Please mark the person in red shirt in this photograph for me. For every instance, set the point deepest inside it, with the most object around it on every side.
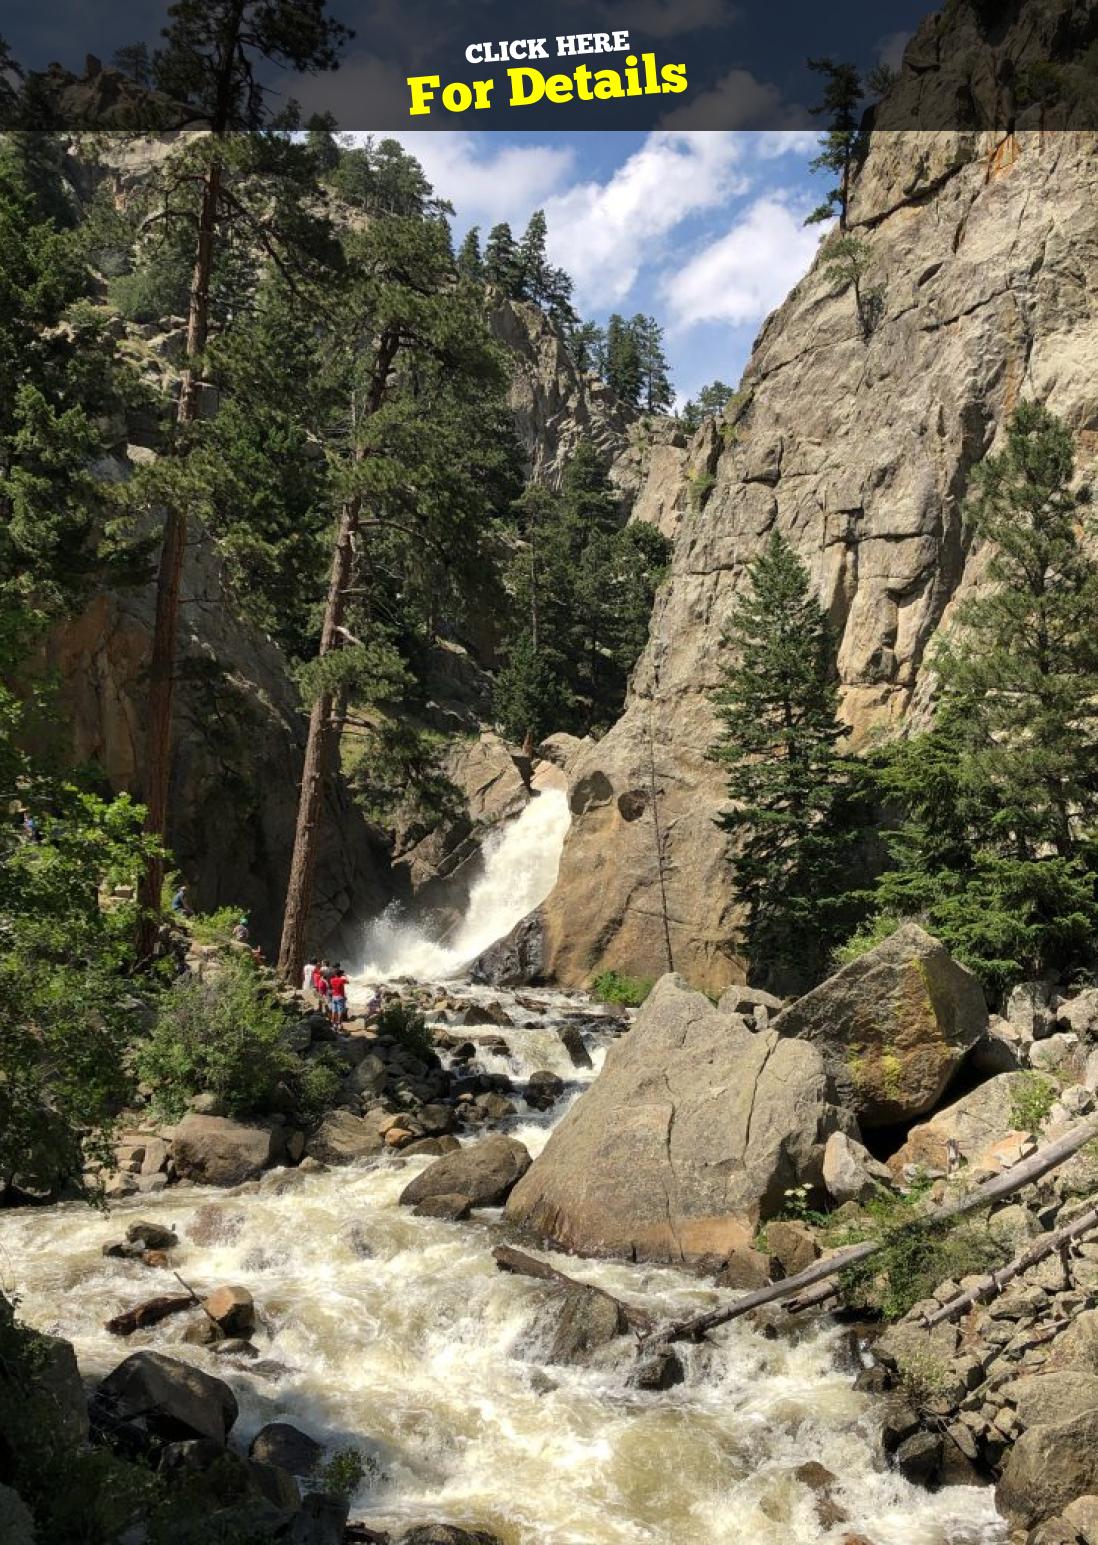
(337, 982)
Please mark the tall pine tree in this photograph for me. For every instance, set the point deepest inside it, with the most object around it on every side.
(790, 787)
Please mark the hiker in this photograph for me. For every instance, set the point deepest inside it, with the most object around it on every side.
(307, 988)
(240, 932)
(373, 1007)
(318, 983)
(180, 905)
(31, 829)
(338, 984)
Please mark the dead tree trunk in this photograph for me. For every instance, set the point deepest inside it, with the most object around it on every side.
(1046, 1159)
(162, 662)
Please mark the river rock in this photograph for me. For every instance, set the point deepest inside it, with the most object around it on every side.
(321, 1520)
(791, 1247)
(573, 1044)
(447, 1534)
(516, 960)
(585, 1321)
(232, 1310)
(282, 1444)
(1048, 1466)
(342, 1137)
(151, 1236)
(169, 1399)
(216, 1151)
(543, 1089)
(58, 1376)
(850, 1172)
(449, 1206)
(893, 1026)
(693, 1130)
(1079, 1015)
(485, 1172)
(1029, 1008)
(975, 1122)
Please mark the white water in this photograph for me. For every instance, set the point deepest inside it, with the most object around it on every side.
(520, 868)
(433, 1364)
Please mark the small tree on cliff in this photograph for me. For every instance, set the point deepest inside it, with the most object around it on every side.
(845, 140)
(790, 822)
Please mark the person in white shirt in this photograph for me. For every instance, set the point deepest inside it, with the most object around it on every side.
(307, 980)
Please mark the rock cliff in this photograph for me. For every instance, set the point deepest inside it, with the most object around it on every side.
(858, 447)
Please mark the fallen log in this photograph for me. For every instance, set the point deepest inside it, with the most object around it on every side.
(1023, 1174)
(993, 1284)
(151, 1312)
(522, 1265)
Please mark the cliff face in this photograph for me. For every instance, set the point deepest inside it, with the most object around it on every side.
(858, 449)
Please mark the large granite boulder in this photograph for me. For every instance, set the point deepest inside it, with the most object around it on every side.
(694, 1129)
(216, 1151)
(893, 1026)
(342, 1137)
(1051, 1464)
(485, 1172)
(976, 1122)
(170, 1400)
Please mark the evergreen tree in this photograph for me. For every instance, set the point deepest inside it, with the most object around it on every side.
(208, 60)
(587, 344)
(502, 264)
(624, 373)
(710, 403)
(789, 823)
(470, 264)
(844, 143)
(656, 393)
(998, 845)
(381, 178)
(533, 265)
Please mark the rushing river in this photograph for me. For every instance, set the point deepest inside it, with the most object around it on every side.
(396, 1335)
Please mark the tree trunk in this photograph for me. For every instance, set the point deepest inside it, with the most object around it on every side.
(507, 1258)
(318, 750)
(162, 663)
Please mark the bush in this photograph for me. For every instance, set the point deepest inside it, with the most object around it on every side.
(1033, 1098)
(407, 1026)
(215, 927)
(611, 987)
(224, 1034)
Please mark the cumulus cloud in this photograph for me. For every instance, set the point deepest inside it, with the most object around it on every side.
(744, 274)
(604, 232)
(485, 181)
(738, 101)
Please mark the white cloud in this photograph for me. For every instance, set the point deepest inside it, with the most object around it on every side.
(772, 143)
(487, 182)
(744, 274)
(603, 233)
(663, 18)
(738, 101)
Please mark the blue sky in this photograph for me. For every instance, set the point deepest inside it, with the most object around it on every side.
(702, 229)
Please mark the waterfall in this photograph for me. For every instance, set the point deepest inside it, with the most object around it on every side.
(521, 860)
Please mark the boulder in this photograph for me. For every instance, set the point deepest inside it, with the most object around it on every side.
(151, 1236)
(585, 1321)
(485, 1172)
(280, 1443)
(232, 1310)
(516, 960)
(342, 1137)
(170, 1400)
(791, 1247)
(745, 1269)
(893, 1026)
(449, 1206)
(1030, 1009)
(692, 1131)
(573, 1043)
(321, 1520)
(446, 1534)
(1049, 1466)
(1082, 1516)
(57, 1375)
(543, 1089)
(660, 1369)
(975, 1122)
(216, 1151)
(850, 1172)
(1079, 1015)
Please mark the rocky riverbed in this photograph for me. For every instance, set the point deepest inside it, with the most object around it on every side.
(467, 1392)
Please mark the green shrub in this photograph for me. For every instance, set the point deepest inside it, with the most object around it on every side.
(215, 927)
(406, 1025)
(1033, 1097)
(611, 987)
(224, 1034)
(872, 932)
(343, 1474)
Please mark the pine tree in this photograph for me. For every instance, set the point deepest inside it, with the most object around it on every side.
(208, 60)
(656, 393)
(709, 403)
(533, 265)
(998, 845)
(623, 360)
(502, 265)
(791, 788)
(470, 264)
(844, 143)
(587, 345)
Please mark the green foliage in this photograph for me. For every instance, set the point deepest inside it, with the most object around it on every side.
(405, 1024)
(845, 141)
(702, 485)
(875, 930)
(848, 261)
(635, 365)
(343, 1474)
(997, 802)
(214, 927)
(379, 177)
(792, 822)
(612, 987)
(582, 589)
(709, 403)
(396, 774)
(224, 1034)
(1032, 1097)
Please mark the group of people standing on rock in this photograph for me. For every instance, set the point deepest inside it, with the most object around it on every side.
(327, 985)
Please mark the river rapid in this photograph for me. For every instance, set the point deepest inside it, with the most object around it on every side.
(397, 1336)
